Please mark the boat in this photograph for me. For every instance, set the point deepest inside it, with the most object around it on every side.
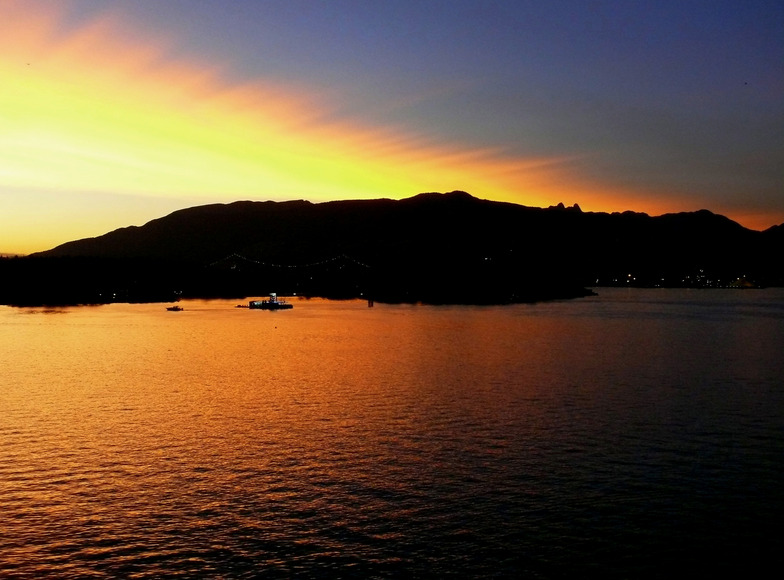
(271, 304)
(174, 308)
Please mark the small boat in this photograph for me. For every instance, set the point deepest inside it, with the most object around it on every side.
(174, 308)
(272, 304)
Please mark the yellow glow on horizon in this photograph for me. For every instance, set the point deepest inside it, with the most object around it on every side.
(100, 109)
(95, 111)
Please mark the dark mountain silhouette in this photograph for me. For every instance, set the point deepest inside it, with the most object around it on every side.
(432, 247)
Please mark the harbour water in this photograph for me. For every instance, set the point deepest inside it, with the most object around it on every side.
(635, 434)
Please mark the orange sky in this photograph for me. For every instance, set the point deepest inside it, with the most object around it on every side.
(102, 127)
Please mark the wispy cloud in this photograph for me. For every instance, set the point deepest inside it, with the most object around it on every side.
(102, 108)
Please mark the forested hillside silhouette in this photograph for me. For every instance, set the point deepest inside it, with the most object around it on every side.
(433, 247)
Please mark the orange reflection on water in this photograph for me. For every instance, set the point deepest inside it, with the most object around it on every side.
(140, 439)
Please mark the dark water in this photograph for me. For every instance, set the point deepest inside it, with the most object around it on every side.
(636, 434)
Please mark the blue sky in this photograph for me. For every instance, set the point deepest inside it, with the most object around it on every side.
(650, 106)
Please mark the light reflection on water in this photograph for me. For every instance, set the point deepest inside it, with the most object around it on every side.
(631, 434)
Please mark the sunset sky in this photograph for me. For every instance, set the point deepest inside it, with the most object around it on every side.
(115, 112)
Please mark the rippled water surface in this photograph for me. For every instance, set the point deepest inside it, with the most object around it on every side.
(639, 433)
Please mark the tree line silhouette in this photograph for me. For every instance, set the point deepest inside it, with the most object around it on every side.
(434, 248)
